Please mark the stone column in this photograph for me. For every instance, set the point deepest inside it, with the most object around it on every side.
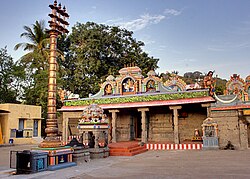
(66, 130)
(143, 124)
(63, 129)
(96, 134)
(114, 118)
(39, 132)
(208, 106)
(109, 130)
(176, 123)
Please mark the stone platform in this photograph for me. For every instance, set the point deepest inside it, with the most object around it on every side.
(96, 153)
(58, 158)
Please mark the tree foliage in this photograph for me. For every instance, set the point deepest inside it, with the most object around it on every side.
(35, 62)
(97, 51)
(11, 76)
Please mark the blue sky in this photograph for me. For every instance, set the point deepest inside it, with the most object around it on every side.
(186, 35)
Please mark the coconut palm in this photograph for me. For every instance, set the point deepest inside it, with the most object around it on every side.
(37, 47)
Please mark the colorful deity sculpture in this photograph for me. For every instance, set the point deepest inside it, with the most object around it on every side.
(237, 86)
(209, 82)
(174, 83)
(93, 125)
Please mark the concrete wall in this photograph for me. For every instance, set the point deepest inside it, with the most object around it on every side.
(11, 121)
(4, 125)
(71, 119)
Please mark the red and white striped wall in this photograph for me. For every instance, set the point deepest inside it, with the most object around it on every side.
(174, 146)
(156, 146)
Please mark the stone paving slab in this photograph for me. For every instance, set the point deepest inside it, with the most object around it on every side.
(177, 164)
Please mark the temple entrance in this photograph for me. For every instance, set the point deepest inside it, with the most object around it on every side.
(138, 128)
(135, 126)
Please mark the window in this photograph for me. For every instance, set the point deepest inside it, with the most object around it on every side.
(21, 124)
(12, 133)
(35, 128)
(19, 132)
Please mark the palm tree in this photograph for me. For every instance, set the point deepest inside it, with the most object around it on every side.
(38, 46)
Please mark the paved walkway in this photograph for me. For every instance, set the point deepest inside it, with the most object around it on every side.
(177, 164)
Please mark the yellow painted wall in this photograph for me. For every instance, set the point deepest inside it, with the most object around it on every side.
(11, 121)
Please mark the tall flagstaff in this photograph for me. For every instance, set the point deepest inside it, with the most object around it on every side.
(58, 26)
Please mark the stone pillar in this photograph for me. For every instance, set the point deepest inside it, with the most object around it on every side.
(109, 130)
(39, 132)
(63, 129)
(208, 106)
(114, 118)
(143, 123)
(96, 134)
(66, 130)
(176, 123)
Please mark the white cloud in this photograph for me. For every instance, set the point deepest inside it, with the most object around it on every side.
(172, 12)
(188, 60)
(113, 21)
(142, 22)
(229, 46)
(215, 49)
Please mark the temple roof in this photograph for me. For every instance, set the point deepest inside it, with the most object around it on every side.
(234, 107)
(132, 70)
(148, 101)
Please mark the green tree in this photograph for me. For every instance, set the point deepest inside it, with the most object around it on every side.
(35, 62)
(11, 76)
(37, 47)
(220, 86)
(98, 50)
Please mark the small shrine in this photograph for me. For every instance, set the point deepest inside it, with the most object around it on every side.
(93, 126)
(210, 134)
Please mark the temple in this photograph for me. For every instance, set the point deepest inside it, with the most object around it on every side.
(146, 109)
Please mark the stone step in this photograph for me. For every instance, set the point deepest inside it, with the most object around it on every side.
(123, 153)
(126, 149)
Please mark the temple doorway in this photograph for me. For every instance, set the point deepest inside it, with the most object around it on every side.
(135, 126)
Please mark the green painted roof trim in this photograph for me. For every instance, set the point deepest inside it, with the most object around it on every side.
(139, 98)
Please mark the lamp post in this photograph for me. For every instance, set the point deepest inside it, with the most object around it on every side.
(58, 26)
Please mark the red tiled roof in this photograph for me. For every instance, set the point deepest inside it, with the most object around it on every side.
(241, 106)
(144, 104)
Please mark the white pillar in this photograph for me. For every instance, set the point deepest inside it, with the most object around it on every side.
(114, 118)
(143, 123)
(176, 123)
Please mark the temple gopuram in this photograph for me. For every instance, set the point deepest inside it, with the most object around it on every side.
(163, 115)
